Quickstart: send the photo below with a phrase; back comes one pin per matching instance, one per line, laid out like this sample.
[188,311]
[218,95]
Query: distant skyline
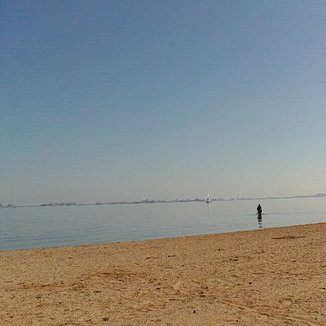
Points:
[122,101]
[157,201]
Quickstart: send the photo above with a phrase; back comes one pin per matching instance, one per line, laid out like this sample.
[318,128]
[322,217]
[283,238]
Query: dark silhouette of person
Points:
[259,209]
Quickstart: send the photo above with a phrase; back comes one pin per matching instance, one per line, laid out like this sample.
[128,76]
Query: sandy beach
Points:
[262,277]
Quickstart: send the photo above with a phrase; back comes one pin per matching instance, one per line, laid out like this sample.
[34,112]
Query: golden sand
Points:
[263,277]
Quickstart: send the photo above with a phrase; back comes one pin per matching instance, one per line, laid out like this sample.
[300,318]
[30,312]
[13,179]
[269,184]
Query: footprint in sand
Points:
[177,286]
[286,302]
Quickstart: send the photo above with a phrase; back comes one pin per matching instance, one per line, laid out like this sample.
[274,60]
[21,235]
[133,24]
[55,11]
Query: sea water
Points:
[36,227]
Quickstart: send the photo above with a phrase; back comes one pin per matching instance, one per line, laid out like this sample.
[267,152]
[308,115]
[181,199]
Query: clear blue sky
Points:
[125,100]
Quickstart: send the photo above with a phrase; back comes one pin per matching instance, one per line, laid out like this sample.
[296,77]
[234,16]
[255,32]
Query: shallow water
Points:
[34,227]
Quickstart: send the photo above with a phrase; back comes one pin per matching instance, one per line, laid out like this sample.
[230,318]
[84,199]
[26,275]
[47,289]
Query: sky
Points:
[128,100]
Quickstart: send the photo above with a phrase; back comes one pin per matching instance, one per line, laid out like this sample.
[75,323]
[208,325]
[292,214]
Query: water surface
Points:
[33,227]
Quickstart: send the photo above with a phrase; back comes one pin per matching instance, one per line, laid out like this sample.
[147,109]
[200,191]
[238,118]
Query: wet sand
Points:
[263,277]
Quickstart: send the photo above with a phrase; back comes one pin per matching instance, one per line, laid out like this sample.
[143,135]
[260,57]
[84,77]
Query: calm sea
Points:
[34,227]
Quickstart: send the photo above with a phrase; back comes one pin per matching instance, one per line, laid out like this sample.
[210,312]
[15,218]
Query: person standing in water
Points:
[259,217]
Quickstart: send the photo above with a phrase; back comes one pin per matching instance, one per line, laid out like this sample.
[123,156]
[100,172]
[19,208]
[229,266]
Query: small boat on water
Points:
[208,200]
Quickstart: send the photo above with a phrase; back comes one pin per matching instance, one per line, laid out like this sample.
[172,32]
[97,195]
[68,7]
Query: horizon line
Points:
[158,201]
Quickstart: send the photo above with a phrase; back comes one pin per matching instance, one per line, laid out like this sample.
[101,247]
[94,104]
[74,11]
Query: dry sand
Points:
[262,277]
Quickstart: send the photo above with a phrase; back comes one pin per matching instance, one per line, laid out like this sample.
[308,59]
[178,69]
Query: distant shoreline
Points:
[161,201]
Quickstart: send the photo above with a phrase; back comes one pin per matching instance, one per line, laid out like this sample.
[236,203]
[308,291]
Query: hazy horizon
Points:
[122,101]
[160,200]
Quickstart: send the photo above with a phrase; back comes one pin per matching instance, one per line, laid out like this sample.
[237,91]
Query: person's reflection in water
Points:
[260,220]
[259,216]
